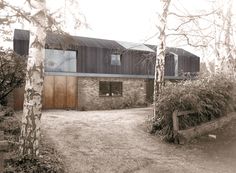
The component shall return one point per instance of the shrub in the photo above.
(49, 161)
(12, 73)
(210, 96)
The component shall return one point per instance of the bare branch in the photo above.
(19, 12)
(182, 24)
(187, 39)
(193, 15)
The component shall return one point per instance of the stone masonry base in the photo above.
(133, 94)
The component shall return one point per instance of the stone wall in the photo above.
(133, 94)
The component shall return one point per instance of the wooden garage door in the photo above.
(18, 98)
(60, 92)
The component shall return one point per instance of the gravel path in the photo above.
(116, 141)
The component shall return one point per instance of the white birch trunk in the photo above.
(160, 53)
(30, 130)
(224, 49)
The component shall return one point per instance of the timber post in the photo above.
(183, 136)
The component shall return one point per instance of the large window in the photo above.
(60, 61)
(110, 88)
(115, 60)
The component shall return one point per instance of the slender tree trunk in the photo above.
(30, 129)
(224, 45)
(227, 52)
(160, 53)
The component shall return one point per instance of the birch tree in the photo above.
(210, 31)
(192, 28)
(224, 43)
(30, 129)
(41, 21)
(160, 52)
(32, 109)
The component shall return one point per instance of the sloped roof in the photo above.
(178, 51)
(64, 41)
(135, 46)
(59, 39)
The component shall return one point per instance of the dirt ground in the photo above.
(116, 141)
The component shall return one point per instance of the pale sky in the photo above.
(126, 20)
(122, 20)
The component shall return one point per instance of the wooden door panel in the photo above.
(60, 92)
(71, 92)
(48, 92)
(18, 96)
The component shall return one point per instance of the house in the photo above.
(87, 73)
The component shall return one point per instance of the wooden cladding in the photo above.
(18, 98)
(48, 92)
(60, 92)
(98, 60)
(94, 56)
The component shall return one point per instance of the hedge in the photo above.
(210, 96)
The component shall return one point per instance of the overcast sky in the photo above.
(122, 20)
(126, 20)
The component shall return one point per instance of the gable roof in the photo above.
(135, 46)
(178, 51)
(62, 40)
(54, 40)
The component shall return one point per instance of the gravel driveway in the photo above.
(116, 141)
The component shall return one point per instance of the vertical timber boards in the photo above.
(48, 92)
(60, 92)
(18, 98)
(71, 92)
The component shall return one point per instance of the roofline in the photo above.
(153, 50)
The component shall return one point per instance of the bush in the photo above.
(44, 164)
(12, 73)
(210, 96)
(49, 161)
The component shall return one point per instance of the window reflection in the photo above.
(60, 61)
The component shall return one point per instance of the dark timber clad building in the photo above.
(87, 73)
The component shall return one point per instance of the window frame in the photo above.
(117, 62)
(62, 52)
(111, 86)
